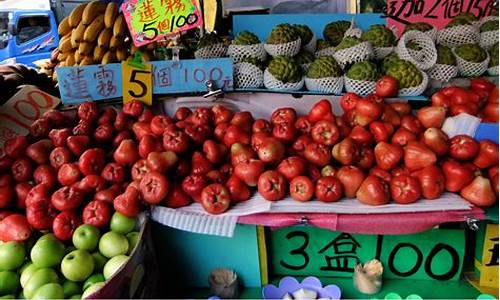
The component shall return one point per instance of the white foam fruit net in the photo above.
(416, 90)
(423, 59)
(327, 85)
(442, 72)
(212, 51)
(360, 87)
(271, 83)
(248, 75)
(471, 69)
(329, 51)
(289, 49)
(311, 46)
(493, 71)
(488, 39)
(241, 52)
(381, 52)
(360, 52)
(433, 33)
(458, 35)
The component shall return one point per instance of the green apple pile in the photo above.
(49, 269)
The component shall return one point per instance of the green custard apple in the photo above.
(413, 46)
(324, 66)
(208, 39)
(491, 25)
(471, 53)
(322, 44)
(255, 61)
(458, 22)
(285, 69)
(406, 73)
(379, 36)
(348, 42)
(494, 55)
(304, 57)
(363, 70)
(282, 34)
(389, 61)
(445, 56)
(246, 38)
(469, 17)
(334, 31)
(419, 26)
(304, 32)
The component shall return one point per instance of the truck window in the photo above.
(29, 28)
(4, 31)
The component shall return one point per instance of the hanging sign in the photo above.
(152, 20)
(304, 251)
(20, 111)
(137, 83)
(438, 13)
(89, 83)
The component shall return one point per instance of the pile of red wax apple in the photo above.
(74, 169)
(480, 99)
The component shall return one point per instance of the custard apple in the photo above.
(285, 69)
(334, 31)
(304, 57)
(471, 53)
(304, 32)
(324, 66)
(389, 61)
(445, 56)
(256, 62)
(322, 44)
(363, 70)
(419, 26)
(458, 22)
(282, 34)
(208, 39)
(413, 46)
(348, 42)
(379, 36)
(469, 17)
(246, 38)
(491, 25)
(494, 55)
(406, 73)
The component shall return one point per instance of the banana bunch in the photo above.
(93, 33)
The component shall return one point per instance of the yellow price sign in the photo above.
(489, 268)
(137, 83)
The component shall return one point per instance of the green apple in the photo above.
(77, 265)
(24, 266)
(77, 296)
(133, 239)
(93, 279)
(47, 252)
(86, 237)
(10, 296)
(121, 223)
(39, 278)
(9, 282)
(12, 255)
(71, 288)
(92, 289)
(113, 265)
(49, 291)
(27, 273)
(99, 261)
(113, 244)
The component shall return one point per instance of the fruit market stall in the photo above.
(286, 156)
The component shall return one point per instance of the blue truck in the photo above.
(28, 30)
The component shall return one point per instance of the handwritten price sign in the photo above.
(17, 114)
(152, 20)
(438, 12)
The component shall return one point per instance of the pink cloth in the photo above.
(399, 223)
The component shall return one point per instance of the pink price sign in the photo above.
(437, 12)
(153, 20)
